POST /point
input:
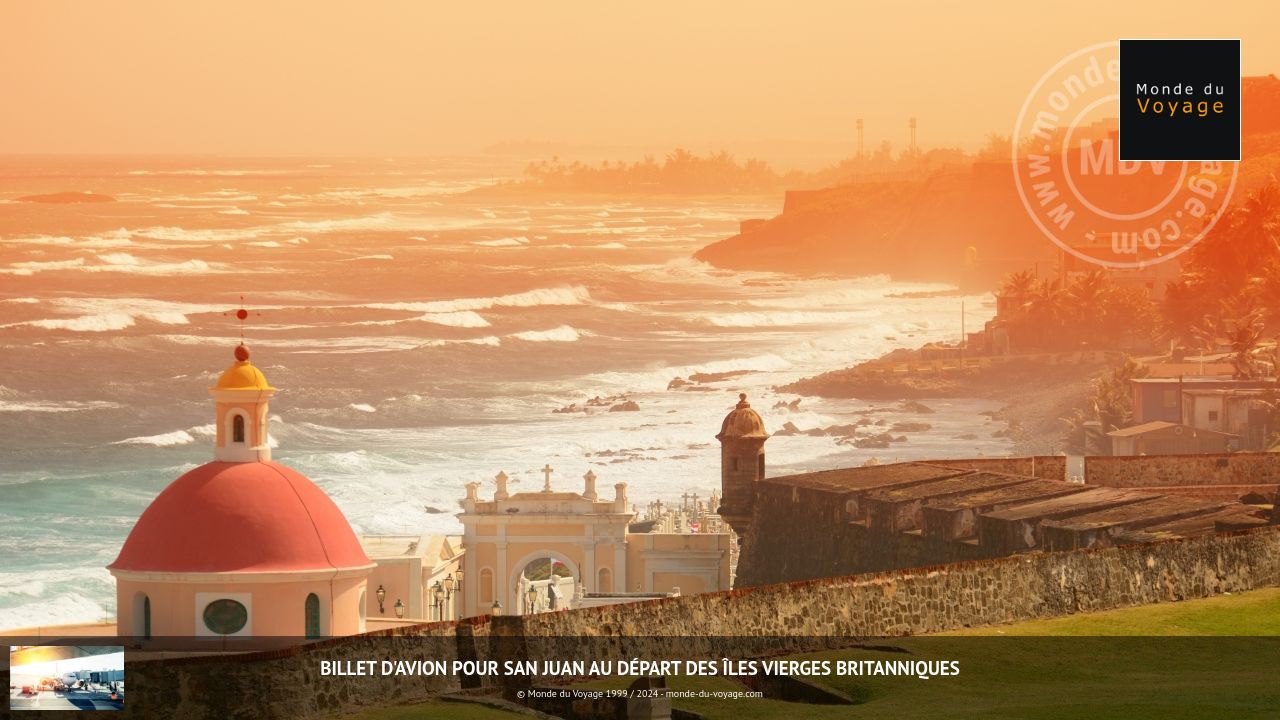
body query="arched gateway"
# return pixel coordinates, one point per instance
(503, 537)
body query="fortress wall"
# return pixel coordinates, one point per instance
(800, 533)
(795, 616)
(287, 683)
(1049, 467)
(934, 599)
(1183, 471)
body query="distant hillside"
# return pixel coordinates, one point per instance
(960, 224)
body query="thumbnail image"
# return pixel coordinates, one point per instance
(66, 677)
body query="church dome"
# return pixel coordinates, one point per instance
(242, 375)
(241, 517)
(742, 422)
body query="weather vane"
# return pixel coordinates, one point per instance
(241, 314)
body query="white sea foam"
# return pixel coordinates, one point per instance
(519, 241)
(462, 319)
(55, 407)
(575, 295)
(782, 318)
(177, 437)
(564, 333)
(373, 257)
(363, 407)
(104, 314)
(233, 211)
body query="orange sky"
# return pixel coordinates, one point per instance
(415, 78)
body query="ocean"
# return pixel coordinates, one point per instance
(422, 328)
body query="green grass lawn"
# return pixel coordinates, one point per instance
(1253, 613)
(1212, 658)
(436, 710)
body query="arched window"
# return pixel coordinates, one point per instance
(237, 429)
(142, 616)
(486, 589)
(364, 611)
(605, 584)
(313, 616)
(760, 469)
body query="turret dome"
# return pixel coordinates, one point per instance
(742, 422)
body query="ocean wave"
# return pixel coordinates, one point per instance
(656, 379)
(233, 211)
(564, 333)
(372, 257)
(519, 241)
(363, 407)
(177, 437)
(782, 318)
(109, 239)
(105, 314)
(173, 233)
(575, 295)
(461, 319)
(116, 263)
(55, 407)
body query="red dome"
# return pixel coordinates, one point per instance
(241, 517)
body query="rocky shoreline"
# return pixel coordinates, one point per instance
(1035, 395)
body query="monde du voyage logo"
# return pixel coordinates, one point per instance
(1125, 153)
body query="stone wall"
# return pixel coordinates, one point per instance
(1049, 467)
(288, 684)
(787, 617)
(803, 533)
(1228, 476)
(946, 597)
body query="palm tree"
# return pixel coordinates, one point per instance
(1240, 323)
(1047, 309)
(1018, 285)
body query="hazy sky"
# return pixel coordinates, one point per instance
(412, 78)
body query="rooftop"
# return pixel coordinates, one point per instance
(867, 477)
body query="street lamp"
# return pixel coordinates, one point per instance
(459, 579)
(381, 592)
(496, 610)
(530, 597)
(438, 591)
(448, 594)
(399, 608)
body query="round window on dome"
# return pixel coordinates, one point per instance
(225, 616)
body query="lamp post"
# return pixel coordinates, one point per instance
(399, 608)
(381, 592)
(496, 610)
(438, 591)
(448, 595)
(530, 597)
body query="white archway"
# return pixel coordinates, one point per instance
(511, 592)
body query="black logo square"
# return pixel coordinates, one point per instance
(1180, 100)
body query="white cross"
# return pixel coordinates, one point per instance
(546, 484)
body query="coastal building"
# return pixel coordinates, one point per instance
(548, 550)
(418, 578)
(241, 546)
(1161, 398)
(1165, 438)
